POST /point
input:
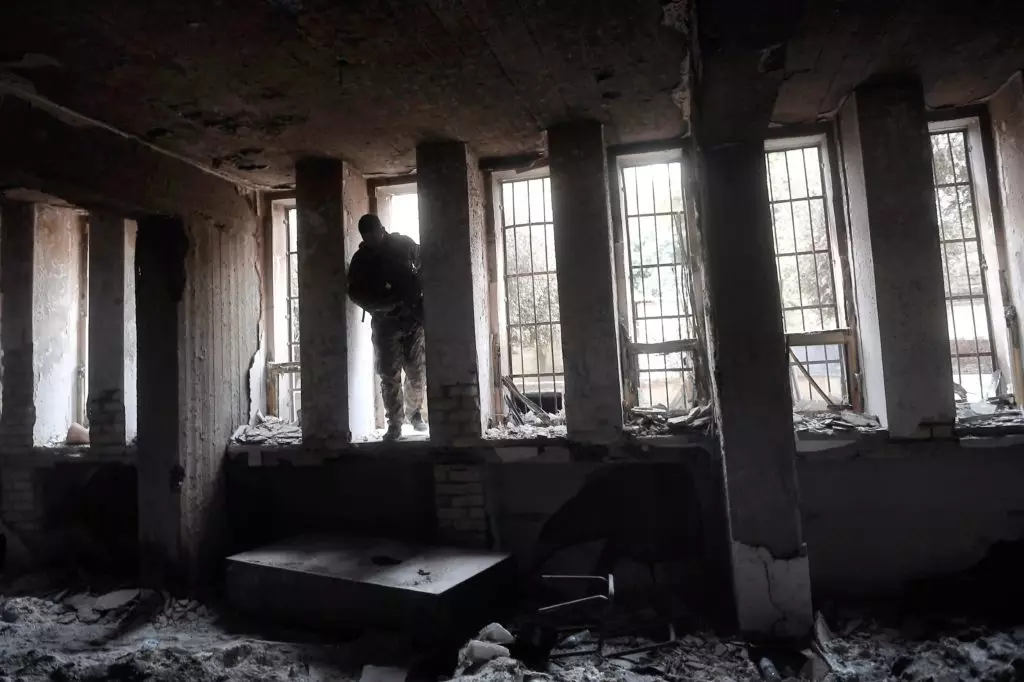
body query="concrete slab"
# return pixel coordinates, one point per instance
(323, 580)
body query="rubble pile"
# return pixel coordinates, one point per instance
(660, 421)
(865, 650)
(829, 423)
(531, 428)
(82, 637)
(993, 414)
(269, 431)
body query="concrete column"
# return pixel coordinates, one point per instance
(454, 275)
(323, 301)
(897, 262)
(106, 323)
(750, 378)
(161, 245)
(586, 281)
(17, 246)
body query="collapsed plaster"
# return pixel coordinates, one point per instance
(772, 595)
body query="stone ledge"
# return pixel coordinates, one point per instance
(42, 456)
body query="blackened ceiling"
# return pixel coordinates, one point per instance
(247, 86)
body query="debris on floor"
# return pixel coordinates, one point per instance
(269, 431)
(524, 418)
(116, 636)
(830, 422)
(994, 414)
(660, 421)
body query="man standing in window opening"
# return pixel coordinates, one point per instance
(384, 280)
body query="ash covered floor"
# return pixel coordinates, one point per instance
(132, 634)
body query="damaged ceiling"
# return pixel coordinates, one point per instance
(246, 87)
(963, 51)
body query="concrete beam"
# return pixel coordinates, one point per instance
(451, 209)
(94, 167)
(106, 407)
(323, 302)
(896, 257)
(586, 281)
(750, 377)
(17, 247)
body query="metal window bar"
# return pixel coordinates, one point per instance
(662, 312)
(531, 290)
(797, 192)
(971, 353)
(293, 378)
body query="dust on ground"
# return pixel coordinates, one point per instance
(145, 635)
(138, 634)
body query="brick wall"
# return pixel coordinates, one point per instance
(455, 410)
(459, 504)
(20, 503)
(106, 418)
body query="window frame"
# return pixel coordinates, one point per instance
(694, 347)
(502, 353)
(845, 333)
(281, 369)
(992, 250)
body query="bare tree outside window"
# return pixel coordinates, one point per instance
(967, 309)
(531, 290)
(660, 282)
(806, 274)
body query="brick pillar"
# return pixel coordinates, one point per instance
(897, 260)
(17, 246)
(22, 512)
(451, 211)
(160, 249)
(586, 281)
(751, 392)
(459, 505)
(106, 340)
(323, 301)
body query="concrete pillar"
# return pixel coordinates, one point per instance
(323, 301)
(897, 263)
(750, 378)
(586, 281)
(106, 337)
(454, 273)
(161, 245)
(17, 246)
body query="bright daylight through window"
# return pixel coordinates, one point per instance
(967, 311)
(661, 300)
(807, 275)
(534, 346)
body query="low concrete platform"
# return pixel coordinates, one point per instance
(356, 582)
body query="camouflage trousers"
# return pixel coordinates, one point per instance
(398, 346)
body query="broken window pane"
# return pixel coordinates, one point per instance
(967, 312)
(778, 177)
(813, 166)
(958, 150)
(803, 251)
(942, 163)
(531, 287)
(797, 175)
(659, 274)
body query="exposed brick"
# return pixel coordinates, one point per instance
(471, 524)
(468, 501)
(465, 475)
(452, 513)
(458, 489)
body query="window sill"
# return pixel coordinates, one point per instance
(46, 456)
